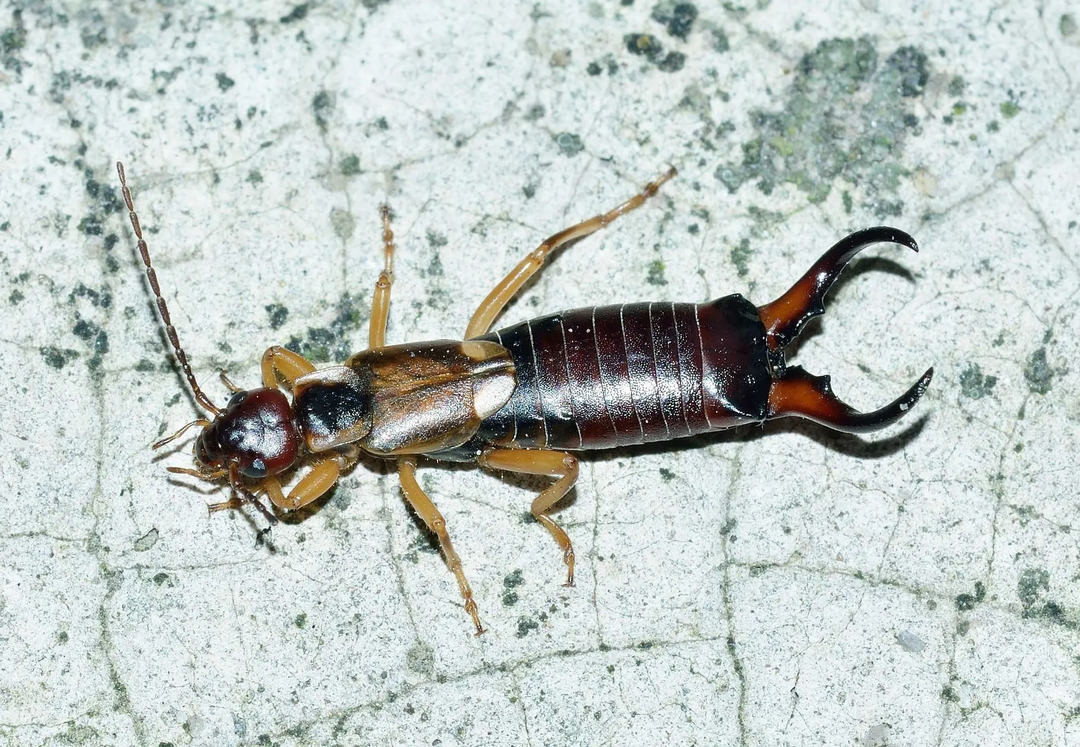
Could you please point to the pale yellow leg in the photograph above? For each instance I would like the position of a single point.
(229, 383)
(326, 470)
(380, 302)
(431, 517)
(534, 462)
(320, 479)
(491, 307)
(279, 364)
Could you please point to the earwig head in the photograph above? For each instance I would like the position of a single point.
(793, 390)
(256, 433)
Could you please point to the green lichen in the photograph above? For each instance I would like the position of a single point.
(278, 314)
(337, 340)
(656, 273)
(974, 384)
(1067, 25)
(322, 105)
(526, 625)
(678, 18)
(1033, 584)
(967, 602)
(343, 222)
(1038, 373)
(845, 119)
(350, 165)
(569, 143)
(421, 659)
(1009, 109)
(57, 358)
(510, 584)
(645, 45)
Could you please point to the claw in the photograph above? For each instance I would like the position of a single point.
(811, 397)
(793, 390)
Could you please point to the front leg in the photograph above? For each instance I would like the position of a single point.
(325, 471)
(281, 365)
(536, 462)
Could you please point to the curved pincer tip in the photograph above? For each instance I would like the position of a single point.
(785, 317)
(807, 396)
(879, 235)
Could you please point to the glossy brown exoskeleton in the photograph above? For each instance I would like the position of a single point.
(522, 398)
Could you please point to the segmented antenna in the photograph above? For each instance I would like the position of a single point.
(163, 309)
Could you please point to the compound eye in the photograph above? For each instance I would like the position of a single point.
(255, 470)
(202, 455)
(237, 399)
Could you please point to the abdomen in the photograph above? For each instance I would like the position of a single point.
(610, 376)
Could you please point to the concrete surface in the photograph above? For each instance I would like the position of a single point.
(773, 586)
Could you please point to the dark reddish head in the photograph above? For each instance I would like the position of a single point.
(256, 432)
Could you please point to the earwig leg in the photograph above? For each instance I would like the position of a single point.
(492, 306)
(229, 382)
(168, 439)
(209, 476)
(279, 364)
(380, 302)
(242, 495)
(805, 395)
(434, 521)
(785, 317)
(533, 462)
(311, 487)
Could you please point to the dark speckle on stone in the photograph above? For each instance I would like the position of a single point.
(510, 582)
(644, 44)
(656, 273)
(224, 82)
(535, 112)
(57, 357)
(677, 18)
(569, 143)
(278, 315)
(910, 63)
(1038, 373)
(298, 13)
(1033, 584)
(322, 105)
(350, 165)
(974, 384)
(525, 626)
(1067, 25)
(672, 63)
(333, 342)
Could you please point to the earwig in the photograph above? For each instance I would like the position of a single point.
(524, 398)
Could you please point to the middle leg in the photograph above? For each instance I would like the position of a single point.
(534, 462)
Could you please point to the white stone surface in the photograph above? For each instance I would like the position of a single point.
(752, 588)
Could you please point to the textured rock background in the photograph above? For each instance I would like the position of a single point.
(782, 585)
